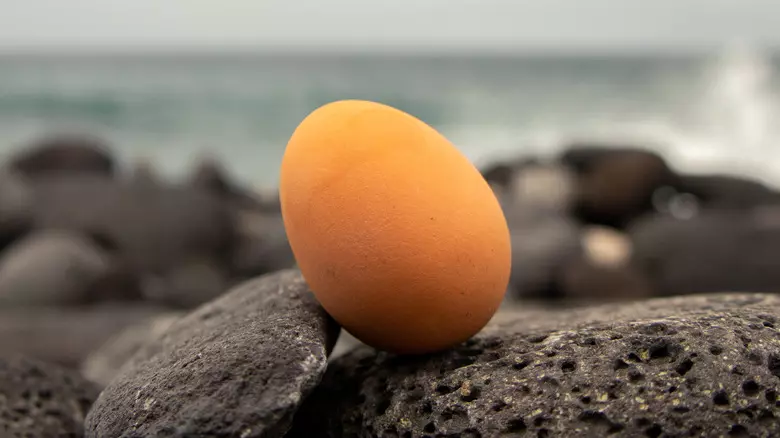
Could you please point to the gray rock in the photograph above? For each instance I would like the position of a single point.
(103, 364)
(615, 185)
(704, 365)
(261, 244)
(723, 251)
(541, 247)
(152, 227)
(585, 282)
(65, 152)
(42, 400)
(51, 268)
(16, 201)
(535, 199)
(724, 192)
(188, 285)
(239, 366)
(66, 336)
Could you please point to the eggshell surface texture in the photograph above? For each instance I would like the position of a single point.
(398, 235)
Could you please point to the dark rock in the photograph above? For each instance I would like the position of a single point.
(144, 172)
(238, 366)
(103, 364)
(540, 250)
(42, 400)
(51, 268)
(501, 173)
(65, 153)
(211, 176)
(154, 228)
(727, 192)
(615, 185)
(583, 281)
(535, 202)
(727, 251)
(686, 366)
(188, 285)
(66, 336)
(261, 244)
(16, 201)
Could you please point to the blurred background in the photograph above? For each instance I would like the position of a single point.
(633, 146)
(697, 79)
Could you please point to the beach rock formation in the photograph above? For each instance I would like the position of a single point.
(615, 186)
(734, 251)
(154, 228)
(687, 366)
(103, 364)
(238, 366)
(69, 153)
(42, 400)
(66, 336)
(51, 268)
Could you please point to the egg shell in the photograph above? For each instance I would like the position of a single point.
(397, 233)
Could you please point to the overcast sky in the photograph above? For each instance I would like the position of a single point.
(503, 24)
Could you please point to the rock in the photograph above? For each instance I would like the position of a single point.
(540, 190)
(584, 281)
(42, 400)
(687, 366)
(544, 238)
(186, 286)
(16, 201)
(144, 172)
(51, 268)
(615, 185)
(102, 365)
(70, 153)
(501, 174)
(733, 251)
(606, 246)
(540, 250)
(721, 192)
(261, 244)
(210, 175)
(153, 227)
(66, 336)
(238, 366)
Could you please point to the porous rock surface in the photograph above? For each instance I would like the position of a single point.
(236, 367)
(42, 400)
(690, 366)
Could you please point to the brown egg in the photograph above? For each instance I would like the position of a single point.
(396, 232)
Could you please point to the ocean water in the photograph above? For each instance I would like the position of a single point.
(718, 112)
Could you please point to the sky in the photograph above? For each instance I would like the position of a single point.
(406, 24)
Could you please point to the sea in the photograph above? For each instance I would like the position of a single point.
(709, 112)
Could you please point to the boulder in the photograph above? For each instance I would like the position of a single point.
(153, 228)
(42, 400)
(540, 251)
(687, 366)
(261, 244)
(729, 250)
(187, 285)
(103, 364)
(51, 268)
(70, 153)
(724, 192)
(238, 366)
(66, 336)
(614, 186)
(543, 237)
(16, 202)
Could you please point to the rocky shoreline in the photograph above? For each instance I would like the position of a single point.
(641, 304)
